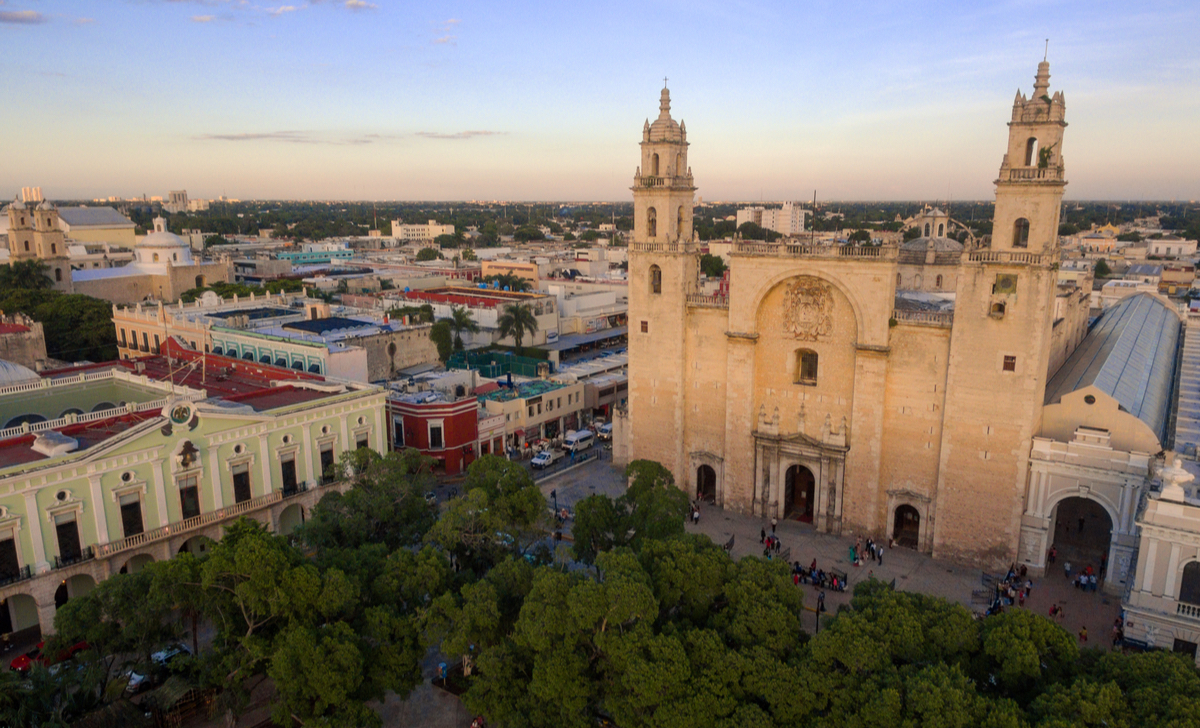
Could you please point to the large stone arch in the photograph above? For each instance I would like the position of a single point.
(22, 611)
(769, 283)
(1119, 558)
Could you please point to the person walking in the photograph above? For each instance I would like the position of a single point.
(1083, 635)
(1067, 569)
(774, 523)
(1052, 555)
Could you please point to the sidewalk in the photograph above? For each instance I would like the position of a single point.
(912, 571)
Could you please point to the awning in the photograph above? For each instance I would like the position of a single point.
(571, 341)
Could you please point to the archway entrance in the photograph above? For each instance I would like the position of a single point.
(290, 519)
(1082, 534)
(706, 484)
(799, 494)
(906, 528)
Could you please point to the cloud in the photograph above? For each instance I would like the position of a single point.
(203, 18)
(83, 21)
(445, 39)
(282, 9)
(22, 17)
(457, 134)
(299, 137)
(360, 5)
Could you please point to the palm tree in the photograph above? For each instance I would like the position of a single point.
(27, 274)
(517, 321)
(460, 320)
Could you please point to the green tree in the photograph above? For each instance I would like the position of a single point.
(386, 504)
(860, 236)
(30, 275)
(1130, 237)
(912, 233)
(460, 320)
(712, 266)
(517, 321)
(76, 327)
(1102, 269)
(753, 231)
(212, 240)
(442, 337)
(526, 233)
(469, 254)
(501, 513)
(446, 241)
(651, 508)
(425, 254)
(510, 281)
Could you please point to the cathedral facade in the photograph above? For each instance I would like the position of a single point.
(891, 390)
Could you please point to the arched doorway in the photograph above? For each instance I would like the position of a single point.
(1082, 534)
(706, 484)
(196, 545)
(906, 528)
(799, 494)
(290, 519)
(135, 564)
(21, 611)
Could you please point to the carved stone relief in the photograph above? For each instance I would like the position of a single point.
(808, 309)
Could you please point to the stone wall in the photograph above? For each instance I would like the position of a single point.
(23, 347)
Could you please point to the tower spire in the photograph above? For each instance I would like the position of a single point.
(664, 103)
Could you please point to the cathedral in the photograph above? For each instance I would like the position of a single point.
(891, 390)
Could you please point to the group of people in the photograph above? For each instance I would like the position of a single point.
(1086, 580)
(819, 578)
(1014, 588)
(874, 552)
(695, 513)
(770, 542)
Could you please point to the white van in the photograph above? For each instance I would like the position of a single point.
(578, 441)
(605, 431)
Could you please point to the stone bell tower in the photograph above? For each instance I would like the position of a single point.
(1000, 342)
(663, 267)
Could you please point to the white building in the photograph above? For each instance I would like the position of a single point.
(417, 233)
(788, 220)
(1171, 246)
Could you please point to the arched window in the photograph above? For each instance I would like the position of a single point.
(1021, 233)
(678, 165)
(679, 221)
(54, 248)
(998, 309)
(654, 165)
(939, 283)
(941, 230)
(655, 279)
(926, 229)
(1030, 151)
(1189, 587)
(156, 257)
(199, 281)
(651, 222)
(26, 246)
(58, 275)
(917, 281)
(806, 366)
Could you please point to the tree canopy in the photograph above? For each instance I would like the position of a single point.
(517, 321)
(712, 266)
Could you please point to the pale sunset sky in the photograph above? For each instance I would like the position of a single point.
(388, 100)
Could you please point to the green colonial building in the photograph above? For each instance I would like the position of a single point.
(105, 468)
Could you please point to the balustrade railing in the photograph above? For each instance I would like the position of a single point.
(191, 524)
(817, 250)
(1004, 256)
(21, 574)
(86, 554)
(687, 247)
(925, 318)
(1024, 174)
(702, 301)
(1191, 611)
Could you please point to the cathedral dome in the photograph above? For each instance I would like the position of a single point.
(664, 127)
(938, 245)
(163, 247)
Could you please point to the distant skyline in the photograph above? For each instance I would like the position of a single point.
(358, 99)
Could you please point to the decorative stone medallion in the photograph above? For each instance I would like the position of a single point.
(808, 309)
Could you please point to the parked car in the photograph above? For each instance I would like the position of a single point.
(22, 663)
(546, 458)
(160, 663)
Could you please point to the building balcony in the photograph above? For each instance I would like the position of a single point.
(1031, 174)
(943, 319)
(677, 247)
(698, 300)
(195, 523)
(86, 554)
(1187, 611)
(1005, 256)
(25, 572)
(815, 250)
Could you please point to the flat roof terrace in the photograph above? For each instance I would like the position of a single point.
(469, 297)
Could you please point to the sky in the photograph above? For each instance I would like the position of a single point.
(452, 100)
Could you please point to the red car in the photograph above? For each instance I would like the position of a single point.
(21, 663)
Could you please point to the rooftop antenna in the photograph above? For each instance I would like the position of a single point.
(812, 239)
(1046, 56)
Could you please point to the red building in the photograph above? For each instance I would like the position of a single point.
(439, 425)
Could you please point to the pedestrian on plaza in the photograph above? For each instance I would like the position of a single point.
(813, 567)
(1067, 569)
(821, 602)
(1021, 599)
(762, 535)
(1093, 583)
(1081, 521)
(795, 578)
(1053, 610)
(774, 523)
(1050, 557)
(1028, 588)
(1083, 632)
(879, 555)
(1024, 570)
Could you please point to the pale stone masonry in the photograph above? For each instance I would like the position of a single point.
(886, 390)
